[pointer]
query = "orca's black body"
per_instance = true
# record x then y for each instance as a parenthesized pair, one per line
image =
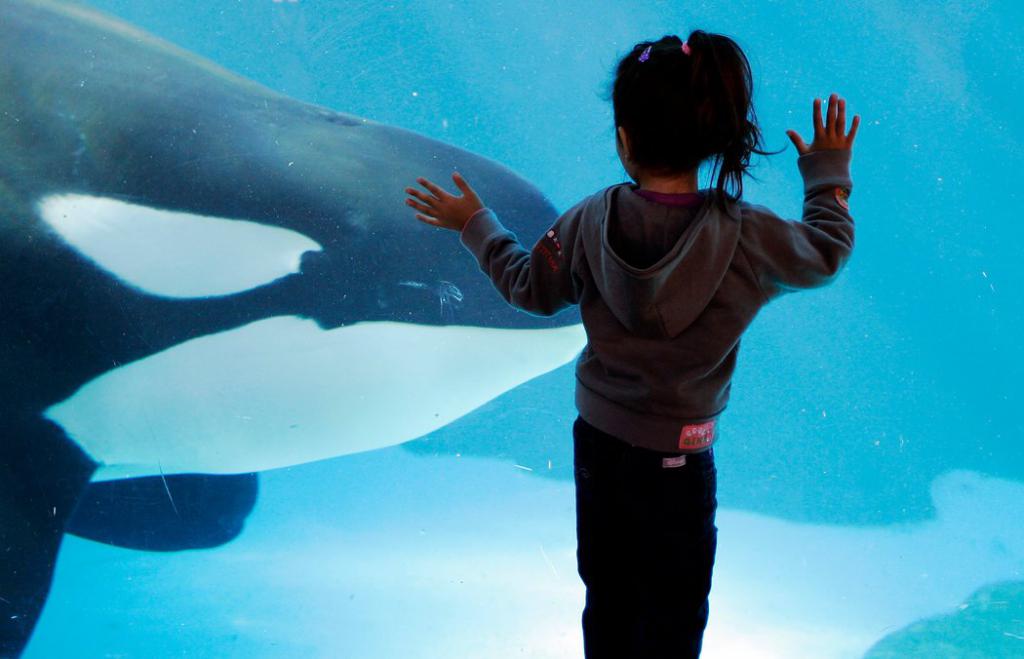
(92, 106)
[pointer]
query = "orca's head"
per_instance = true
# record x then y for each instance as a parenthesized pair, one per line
(133, 126)
(173, 231)
(317, 207)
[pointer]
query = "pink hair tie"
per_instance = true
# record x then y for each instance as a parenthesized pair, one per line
(686, 48)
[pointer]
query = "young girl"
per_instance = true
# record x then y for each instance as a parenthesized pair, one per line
(667, 278)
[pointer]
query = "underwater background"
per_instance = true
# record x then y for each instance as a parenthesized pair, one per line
(871, 460)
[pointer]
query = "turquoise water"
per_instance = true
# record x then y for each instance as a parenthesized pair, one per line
(871, 472)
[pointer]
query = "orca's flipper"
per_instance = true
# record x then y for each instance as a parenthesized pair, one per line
(42, 476)
(166, 513)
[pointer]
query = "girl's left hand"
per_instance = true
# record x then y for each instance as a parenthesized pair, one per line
(441, 209)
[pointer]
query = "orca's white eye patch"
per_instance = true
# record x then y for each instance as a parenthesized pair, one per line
(172, 253)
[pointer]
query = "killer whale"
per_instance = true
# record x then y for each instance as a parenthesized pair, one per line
(106, 130)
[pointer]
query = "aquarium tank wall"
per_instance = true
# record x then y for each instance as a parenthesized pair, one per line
(251, 407)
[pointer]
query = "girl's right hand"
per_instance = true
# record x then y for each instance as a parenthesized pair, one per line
(829, 136)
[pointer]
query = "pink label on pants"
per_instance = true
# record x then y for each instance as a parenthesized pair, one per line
(697, 436)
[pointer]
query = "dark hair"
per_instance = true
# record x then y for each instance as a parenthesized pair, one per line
(682, 109)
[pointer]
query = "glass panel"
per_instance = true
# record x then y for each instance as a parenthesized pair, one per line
(251, 407)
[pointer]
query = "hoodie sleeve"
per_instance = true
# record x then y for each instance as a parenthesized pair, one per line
(787, 255)
(540, 281)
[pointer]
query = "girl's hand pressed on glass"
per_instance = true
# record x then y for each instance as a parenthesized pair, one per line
(441, 209)
(829, 135)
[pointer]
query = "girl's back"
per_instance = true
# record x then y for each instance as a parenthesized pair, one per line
(667, 278)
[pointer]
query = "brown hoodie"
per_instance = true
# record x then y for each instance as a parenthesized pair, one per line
(664, 325)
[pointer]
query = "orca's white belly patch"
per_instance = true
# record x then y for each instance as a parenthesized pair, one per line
(282, 391)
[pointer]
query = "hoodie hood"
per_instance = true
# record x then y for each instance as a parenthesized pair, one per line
(662, 299)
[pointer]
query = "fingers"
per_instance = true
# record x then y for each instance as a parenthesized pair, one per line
(828, 126)
(830, 131)
(837, 121)
(853, 130)
(428, 202)
(438, 191)
(413, 192)
(425, 208)
(467, 191)
(798, 141)
(831, 126)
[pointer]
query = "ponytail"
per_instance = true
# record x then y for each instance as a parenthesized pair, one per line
(686, 103)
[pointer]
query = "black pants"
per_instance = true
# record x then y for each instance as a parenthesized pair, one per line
(646, 547)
